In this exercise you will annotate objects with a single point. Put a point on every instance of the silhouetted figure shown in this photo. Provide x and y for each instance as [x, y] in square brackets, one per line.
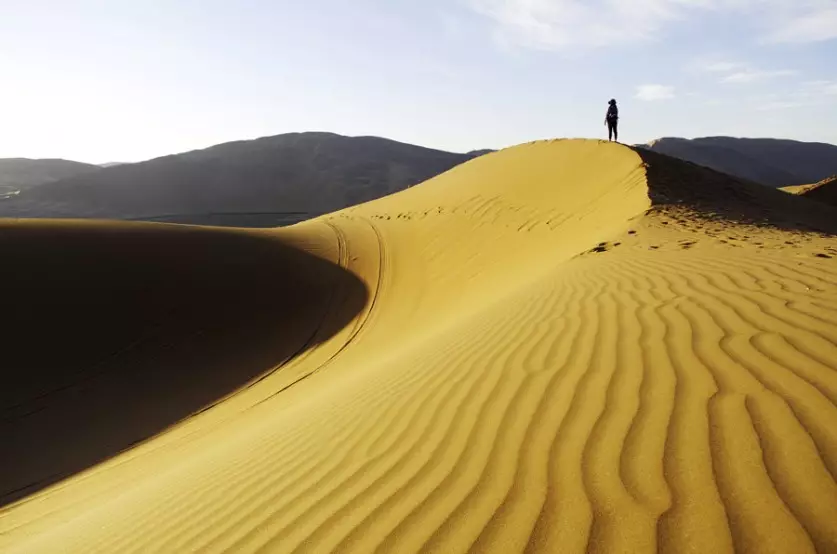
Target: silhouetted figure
[612, 121]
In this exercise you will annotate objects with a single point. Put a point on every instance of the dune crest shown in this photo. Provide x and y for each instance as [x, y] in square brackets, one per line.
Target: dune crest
[568, 346]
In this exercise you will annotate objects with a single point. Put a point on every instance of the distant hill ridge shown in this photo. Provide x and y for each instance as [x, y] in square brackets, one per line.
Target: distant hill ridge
[299, 174]
[771, 162]
[17, 174]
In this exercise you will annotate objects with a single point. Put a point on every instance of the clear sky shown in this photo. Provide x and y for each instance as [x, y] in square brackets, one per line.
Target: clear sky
[117, 80]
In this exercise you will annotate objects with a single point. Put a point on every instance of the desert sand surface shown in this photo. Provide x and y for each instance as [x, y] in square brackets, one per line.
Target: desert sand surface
[566, 346]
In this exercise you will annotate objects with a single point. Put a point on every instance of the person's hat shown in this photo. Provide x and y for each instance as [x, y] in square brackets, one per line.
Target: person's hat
[612, 101]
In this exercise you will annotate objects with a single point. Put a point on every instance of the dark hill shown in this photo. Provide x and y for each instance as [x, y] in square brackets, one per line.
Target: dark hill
[18, 174]
[267, 181]
[825, 191]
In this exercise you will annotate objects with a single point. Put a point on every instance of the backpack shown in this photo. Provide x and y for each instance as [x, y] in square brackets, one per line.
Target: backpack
[613, 112]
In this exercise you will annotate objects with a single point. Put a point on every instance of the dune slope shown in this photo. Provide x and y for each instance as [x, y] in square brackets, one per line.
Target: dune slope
[823, 191]
[567, 346]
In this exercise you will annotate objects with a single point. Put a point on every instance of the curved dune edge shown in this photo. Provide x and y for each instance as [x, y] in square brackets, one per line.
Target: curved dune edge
[546, 363]
[115, 331]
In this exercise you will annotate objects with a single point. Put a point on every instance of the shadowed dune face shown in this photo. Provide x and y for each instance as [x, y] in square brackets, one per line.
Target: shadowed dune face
[112, 333]
[824, 191]
[708, 194]
[770, 162]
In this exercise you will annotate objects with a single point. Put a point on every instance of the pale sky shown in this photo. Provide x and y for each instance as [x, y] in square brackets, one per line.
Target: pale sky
[112, 80]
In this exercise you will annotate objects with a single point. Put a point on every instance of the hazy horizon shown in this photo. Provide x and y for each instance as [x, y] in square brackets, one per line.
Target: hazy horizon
[116, 163]
[98, 83]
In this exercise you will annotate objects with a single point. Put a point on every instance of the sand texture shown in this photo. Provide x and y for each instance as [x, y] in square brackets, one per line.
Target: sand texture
[566, 346]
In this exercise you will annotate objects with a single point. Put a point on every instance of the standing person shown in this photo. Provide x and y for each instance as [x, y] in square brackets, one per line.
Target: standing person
[612, 121]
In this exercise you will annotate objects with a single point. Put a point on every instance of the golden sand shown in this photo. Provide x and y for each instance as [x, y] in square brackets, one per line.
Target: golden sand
[557, 350]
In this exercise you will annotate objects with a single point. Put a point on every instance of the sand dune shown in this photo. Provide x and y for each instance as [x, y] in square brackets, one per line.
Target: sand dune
[566, 346]
[823, 191]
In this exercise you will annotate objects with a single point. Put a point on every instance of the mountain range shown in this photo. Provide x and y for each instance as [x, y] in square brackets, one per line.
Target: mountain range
[18, 174]
[267, 181]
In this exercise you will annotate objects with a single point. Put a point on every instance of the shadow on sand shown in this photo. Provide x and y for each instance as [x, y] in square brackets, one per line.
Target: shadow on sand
[714, 195]
[113, 332]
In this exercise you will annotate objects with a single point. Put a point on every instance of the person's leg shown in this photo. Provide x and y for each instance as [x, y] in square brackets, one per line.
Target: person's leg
[616, 131]
[609, 130]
